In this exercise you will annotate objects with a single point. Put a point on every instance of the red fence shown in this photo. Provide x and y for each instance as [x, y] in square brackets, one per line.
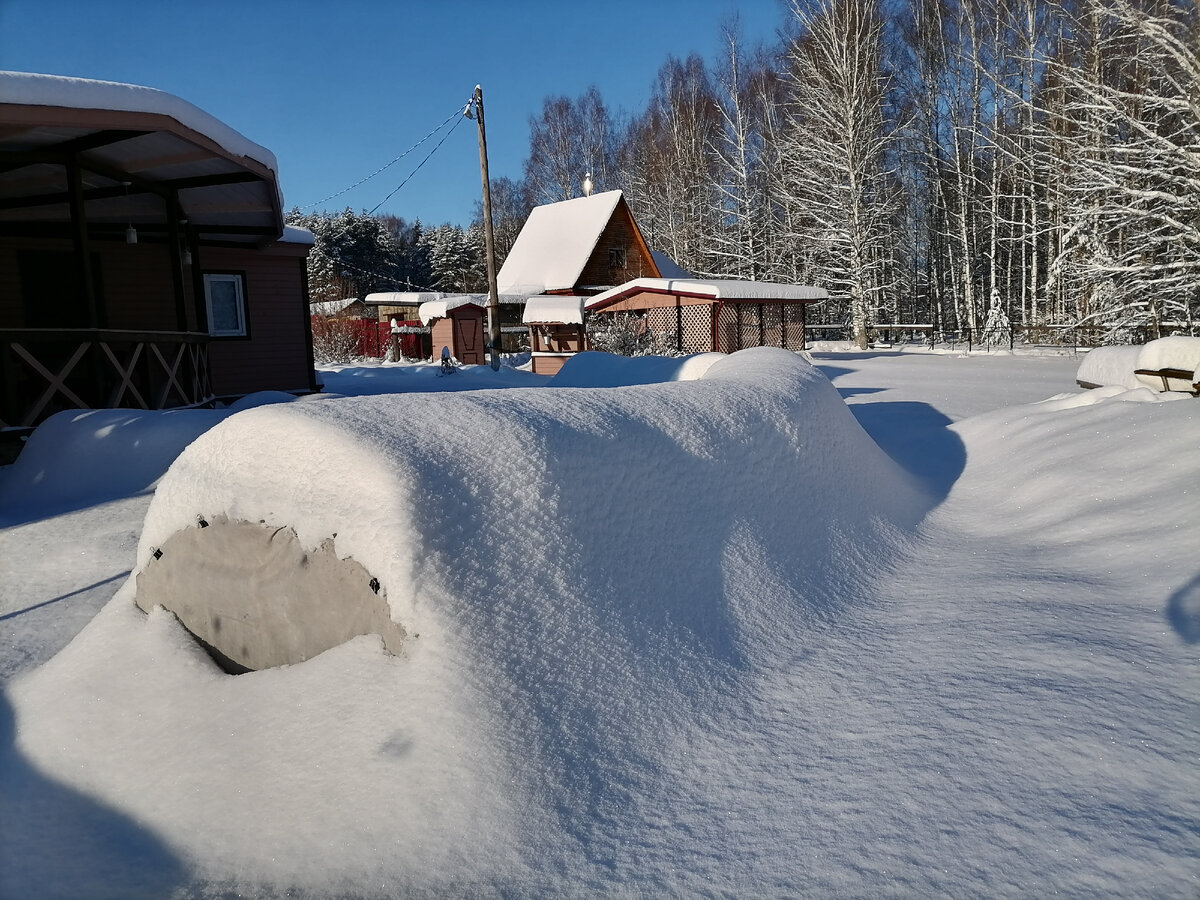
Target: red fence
[368, 338]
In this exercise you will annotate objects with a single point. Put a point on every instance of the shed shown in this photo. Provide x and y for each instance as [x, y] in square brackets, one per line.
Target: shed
[456, 322]
[556, 331]
[144, 261]
[697, 316]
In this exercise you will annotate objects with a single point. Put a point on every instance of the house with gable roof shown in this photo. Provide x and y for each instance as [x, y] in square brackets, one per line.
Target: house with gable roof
[144, 260]
[578, 247]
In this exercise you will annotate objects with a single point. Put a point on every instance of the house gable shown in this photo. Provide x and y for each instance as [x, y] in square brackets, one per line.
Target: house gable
[576, 246]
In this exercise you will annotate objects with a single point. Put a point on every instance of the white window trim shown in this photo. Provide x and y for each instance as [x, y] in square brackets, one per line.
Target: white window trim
[236, 280]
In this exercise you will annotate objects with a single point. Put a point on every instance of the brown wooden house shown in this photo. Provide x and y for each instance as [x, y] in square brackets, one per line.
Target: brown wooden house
[143, 257]
[577, 247]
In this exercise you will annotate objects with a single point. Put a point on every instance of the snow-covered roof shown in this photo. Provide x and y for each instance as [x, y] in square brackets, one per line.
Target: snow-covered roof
[439, 309]
[555, 244]
[33, 89]
[404, 298]
[667, 267]
[331, 307]
[227, 185]
[293, 234]
[717, 289]
[567, 310]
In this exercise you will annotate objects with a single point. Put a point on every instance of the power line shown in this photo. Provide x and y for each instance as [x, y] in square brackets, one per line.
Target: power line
[421, 163]
[457, 114]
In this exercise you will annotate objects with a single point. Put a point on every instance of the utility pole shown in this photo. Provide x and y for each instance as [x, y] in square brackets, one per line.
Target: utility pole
[493, 307]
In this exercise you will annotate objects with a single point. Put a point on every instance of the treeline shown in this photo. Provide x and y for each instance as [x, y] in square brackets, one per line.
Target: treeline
[945, 162]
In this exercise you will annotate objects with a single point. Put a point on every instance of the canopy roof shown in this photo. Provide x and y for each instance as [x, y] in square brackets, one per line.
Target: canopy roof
[440, 309]
[558, 310]
[716, 289]
[144, 156]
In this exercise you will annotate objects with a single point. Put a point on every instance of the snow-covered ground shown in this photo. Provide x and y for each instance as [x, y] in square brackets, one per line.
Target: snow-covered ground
[707, 639]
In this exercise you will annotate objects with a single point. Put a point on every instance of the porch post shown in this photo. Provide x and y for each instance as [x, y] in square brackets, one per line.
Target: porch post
[175, 254]
[83, 250]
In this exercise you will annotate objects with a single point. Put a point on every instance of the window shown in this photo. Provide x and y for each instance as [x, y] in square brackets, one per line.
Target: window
[226, 302]
[616, 258]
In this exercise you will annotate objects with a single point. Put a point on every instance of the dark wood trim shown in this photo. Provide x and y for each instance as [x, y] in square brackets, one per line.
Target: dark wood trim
[83, 254]
[201, 181]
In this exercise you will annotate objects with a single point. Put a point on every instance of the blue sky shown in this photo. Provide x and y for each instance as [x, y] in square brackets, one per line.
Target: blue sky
[337, 89]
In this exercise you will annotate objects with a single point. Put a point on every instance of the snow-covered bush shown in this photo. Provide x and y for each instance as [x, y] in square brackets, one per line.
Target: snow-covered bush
[334, 340]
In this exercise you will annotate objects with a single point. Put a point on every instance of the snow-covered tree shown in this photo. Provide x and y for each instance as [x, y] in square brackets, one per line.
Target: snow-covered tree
[836, 150]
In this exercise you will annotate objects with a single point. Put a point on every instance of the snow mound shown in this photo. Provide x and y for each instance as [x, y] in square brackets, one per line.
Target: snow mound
[1177, 352]
[1109, 366]
[132, 448]
[593, 369]
[594, 581]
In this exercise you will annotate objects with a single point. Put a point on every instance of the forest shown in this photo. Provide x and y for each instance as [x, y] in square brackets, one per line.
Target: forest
[963, 165]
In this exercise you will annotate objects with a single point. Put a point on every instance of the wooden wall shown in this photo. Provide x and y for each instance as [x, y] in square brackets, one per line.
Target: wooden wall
[277, 352]
[619, 234]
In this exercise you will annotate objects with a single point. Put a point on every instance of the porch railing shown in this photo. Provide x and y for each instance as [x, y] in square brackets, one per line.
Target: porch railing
[46, 370]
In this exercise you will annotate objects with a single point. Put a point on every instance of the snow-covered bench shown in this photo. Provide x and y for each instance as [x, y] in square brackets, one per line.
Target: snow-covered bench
[1167, 364]
[1170, 364]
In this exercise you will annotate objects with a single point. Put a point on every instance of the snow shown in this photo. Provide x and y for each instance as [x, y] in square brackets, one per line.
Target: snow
[717, 289]
[293, 234]
[440, 309]
[1175, 352]
[80, 93]
[554, 245]
[1106, 366]
[557, 309]
[893, 625]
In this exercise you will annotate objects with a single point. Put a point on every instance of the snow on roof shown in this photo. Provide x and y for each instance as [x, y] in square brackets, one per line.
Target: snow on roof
[405, 298]
[295, 235]
[32, 89]
[331, 307]
[718, 289]
[439, 309]
[567, 310]
[555, 243]
[667, 267]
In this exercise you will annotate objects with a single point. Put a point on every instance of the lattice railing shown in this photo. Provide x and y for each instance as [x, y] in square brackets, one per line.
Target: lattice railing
[46, 370]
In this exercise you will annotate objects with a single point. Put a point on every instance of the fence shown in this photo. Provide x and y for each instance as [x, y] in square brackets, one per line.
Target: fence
[45, 370]
[1064, 336]
[341, 340]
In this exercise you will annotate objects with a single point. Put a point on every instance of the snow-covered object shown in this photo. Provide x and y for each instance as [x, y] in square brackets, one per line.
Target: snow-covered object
[82, 93]
[717, 289]
[293, 234]
[1000, 701]
[397, 496]
[439, 309]
[554, 245]
[1176, 352]
[667, 267]
[593, 369]
[559, 310]
[1109, 366]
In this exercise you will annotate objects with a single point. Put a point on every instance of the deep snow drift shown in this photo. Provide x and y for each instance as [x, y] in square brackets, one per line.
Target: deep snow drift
[691, 637]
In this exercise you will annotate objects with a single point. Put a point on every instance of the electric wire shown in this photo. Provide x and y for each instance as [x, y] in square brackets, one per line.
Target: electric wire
[457, 114]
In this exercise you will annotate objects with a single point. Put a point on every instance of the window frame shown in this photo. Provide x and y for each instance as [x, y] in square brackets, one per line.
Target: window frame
[243, 311]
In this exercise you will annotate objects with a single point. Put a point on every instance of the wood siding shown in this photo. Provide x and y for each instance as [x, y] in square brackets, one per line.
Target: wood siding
[621, 235]
[276, 354]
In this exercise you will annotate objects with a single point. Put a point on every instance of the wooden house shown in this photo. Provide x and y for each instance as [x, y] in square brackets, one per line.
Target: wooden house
[576, 247]
[144, 260]
[697, 316]
[556, 331]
